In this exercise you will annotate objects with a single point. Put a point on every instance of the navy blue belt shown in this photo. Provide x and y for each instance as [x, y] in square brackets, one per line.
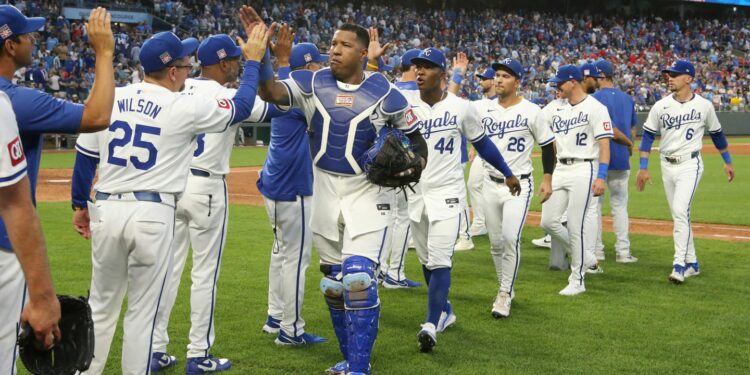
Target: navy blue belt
[146, 196]
[502, 180]
[569, 161]
[202, 173]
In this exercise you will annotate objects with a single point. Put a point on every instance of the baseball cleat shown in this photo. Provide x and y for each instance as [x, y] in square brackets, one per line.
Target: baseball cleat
[692, 269]
[390, 283]
[678, 274]
[338, 369]
[447, 318]
[206, 365]
[573, 289]
[161, 361]
[626, 259]
[303, 339]
[464, 244]
[545, 242]
[595, 269]
[427, 338]
[501, 307]
[477, 231]
[272, 325]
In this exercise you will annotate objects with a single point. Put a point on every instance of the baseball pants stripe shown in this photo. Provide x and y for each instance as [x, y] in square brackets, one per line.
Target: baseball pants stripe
[680, 183]
[404, 249]
[518, 236]
[583, 265]
[617, 182]
[393, 256]
[211, 333]
[12, 289]
[290, 257]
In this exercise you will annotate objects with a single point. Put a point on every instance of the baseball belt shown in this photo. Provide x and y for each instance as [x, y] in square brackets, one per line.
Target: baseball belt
[143, 196]
[679, 159]
[502, 180]
[569, 161]
[206, 174]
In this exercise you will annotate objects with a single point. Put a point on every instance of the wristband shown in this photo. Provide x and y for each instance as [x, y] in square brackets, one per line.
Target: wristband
[457, 77]
[644, 163]
[603, 169]
[727, 157]
[372, 66]
[266, 69]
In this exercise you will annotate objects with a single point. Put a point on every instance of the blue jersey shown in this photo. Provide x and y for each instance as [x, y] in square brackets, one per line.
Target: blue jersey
[37, 113]
[287, 171]
[622, 112]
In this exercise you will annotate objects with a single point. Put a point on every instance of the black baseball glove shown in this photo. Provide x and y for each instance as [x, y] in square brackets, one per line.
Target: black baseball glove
[391, 162]
[75, 350]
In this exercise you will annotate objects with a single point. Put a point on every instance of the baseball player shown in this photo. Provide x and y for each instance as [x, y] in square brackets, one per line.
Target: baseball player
[436, 207]
[144, 165]
[681, 119]
[37, 113]
[393, 259]
[345, 108]
[621, 110]
[582, 130]
[202, 210]
[286, 184]
[513, 124]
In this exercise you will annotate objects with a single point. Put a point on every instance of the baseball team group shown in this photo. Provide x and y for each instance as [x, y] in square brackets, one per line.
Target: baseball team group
[162, 148]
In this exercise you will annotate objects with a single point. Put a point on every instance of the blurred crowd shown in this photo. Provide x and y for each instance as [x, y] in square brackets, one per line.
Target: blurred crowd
[638, 47]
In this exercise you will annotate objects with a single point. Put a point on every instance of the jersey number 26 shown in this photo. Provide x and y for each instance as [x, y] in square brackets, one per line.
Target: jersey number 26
[138, 142]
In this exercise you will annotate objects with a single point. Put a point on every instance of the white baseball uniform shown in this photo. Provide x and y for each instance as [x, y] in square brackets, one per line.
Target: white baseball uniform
[12, 283]
[682, 126]
[144, 159]
[514, 130]
[201, 224]
[393, 259]
[436, 207]
[577, 129]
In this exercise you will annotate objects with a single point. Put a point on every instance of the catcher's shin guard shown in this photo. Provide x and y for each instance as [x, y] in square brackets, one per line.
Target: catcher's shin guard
[362, 311]
[333, 291]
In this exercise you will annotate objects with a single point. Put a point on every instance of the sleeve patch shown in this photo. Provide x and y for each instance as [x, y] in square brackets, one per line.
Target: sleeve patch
[15, 149]
[411, 117]
[607, 126]
[224, 104]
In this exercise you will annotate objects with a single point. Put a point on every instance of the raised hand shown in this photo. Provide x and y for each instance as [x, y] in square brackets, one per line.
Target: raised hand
[461, 62]
[282, 49]
[257, 40]
[375, 50]
[249, 18]
[99, 29]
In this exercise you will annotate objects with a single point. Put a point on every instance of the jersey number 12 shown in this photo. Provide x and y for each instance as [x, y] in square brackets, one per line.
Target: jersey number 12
[138, 142]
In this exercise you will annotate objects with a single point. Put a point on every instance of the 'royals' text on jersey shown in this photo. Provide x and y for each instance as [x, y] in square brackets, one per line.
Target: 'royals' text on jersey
[682, 125]
[345, 119]
[12, 158]
[442, 126]
[577, 128]
[514, 130]
[147, 145]
[212, 150]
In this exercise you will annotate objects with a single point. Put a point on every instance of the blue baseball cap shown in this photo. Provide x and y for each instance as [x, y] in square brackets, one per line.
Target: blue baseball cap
[163, 48]
[13, 22]
[510, 65]
[681, 67]
[431, 55]
[567, 73]
[305, 53]
[606, 68]
[589, 70]
[408, 56]
[216, 48]
[488, 73]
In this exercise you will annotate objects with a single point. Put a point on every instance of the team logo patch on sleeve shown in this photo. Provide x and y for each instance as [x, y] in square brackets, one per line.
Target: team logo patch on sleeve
[607, 126]
[15, 149]
[344, 100]
[224, 103]
[411, 118]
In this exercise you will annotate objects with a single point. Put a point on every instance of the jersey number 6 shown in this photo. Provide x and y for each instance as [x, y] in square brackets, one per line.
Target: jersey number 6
[138, 142]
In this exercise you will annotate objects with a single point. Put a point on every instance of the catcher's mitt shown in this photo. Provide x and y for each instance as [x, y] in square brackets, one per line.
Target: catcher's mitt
[390, 155]
[75, 350]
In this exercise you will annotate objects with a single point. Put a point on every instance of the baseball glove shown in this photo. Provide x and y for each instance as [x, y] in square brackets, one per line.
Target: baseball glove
[75, 350]
[390, 155]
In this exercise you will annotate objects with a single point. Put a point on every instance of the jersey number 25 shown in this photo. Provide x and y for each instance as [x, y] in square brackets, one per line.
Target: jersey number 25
[138, 142]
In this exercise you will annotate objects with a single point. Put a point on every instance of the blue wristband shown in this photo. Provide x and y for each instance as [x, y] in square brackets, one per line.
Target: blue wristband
[266, 69]
[644, 163]
[603, 169]
[457, 77]
[727, 157]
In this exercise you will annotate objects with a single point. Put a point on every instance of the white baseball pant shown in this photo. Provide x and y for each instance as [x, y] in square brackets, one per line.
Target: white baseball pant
[474, 186]
[571, 190]
[131, 252]
[505, 216]
[680, 183]
[290, 256]
[369, 245]
[617, 182]
[200, 224]
[435, 240]
[393, 260]
[13, 293]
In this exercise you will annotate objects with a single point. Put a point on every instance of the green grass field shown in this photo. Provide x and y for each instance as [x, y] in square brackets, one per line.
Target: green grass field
[630, 320]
